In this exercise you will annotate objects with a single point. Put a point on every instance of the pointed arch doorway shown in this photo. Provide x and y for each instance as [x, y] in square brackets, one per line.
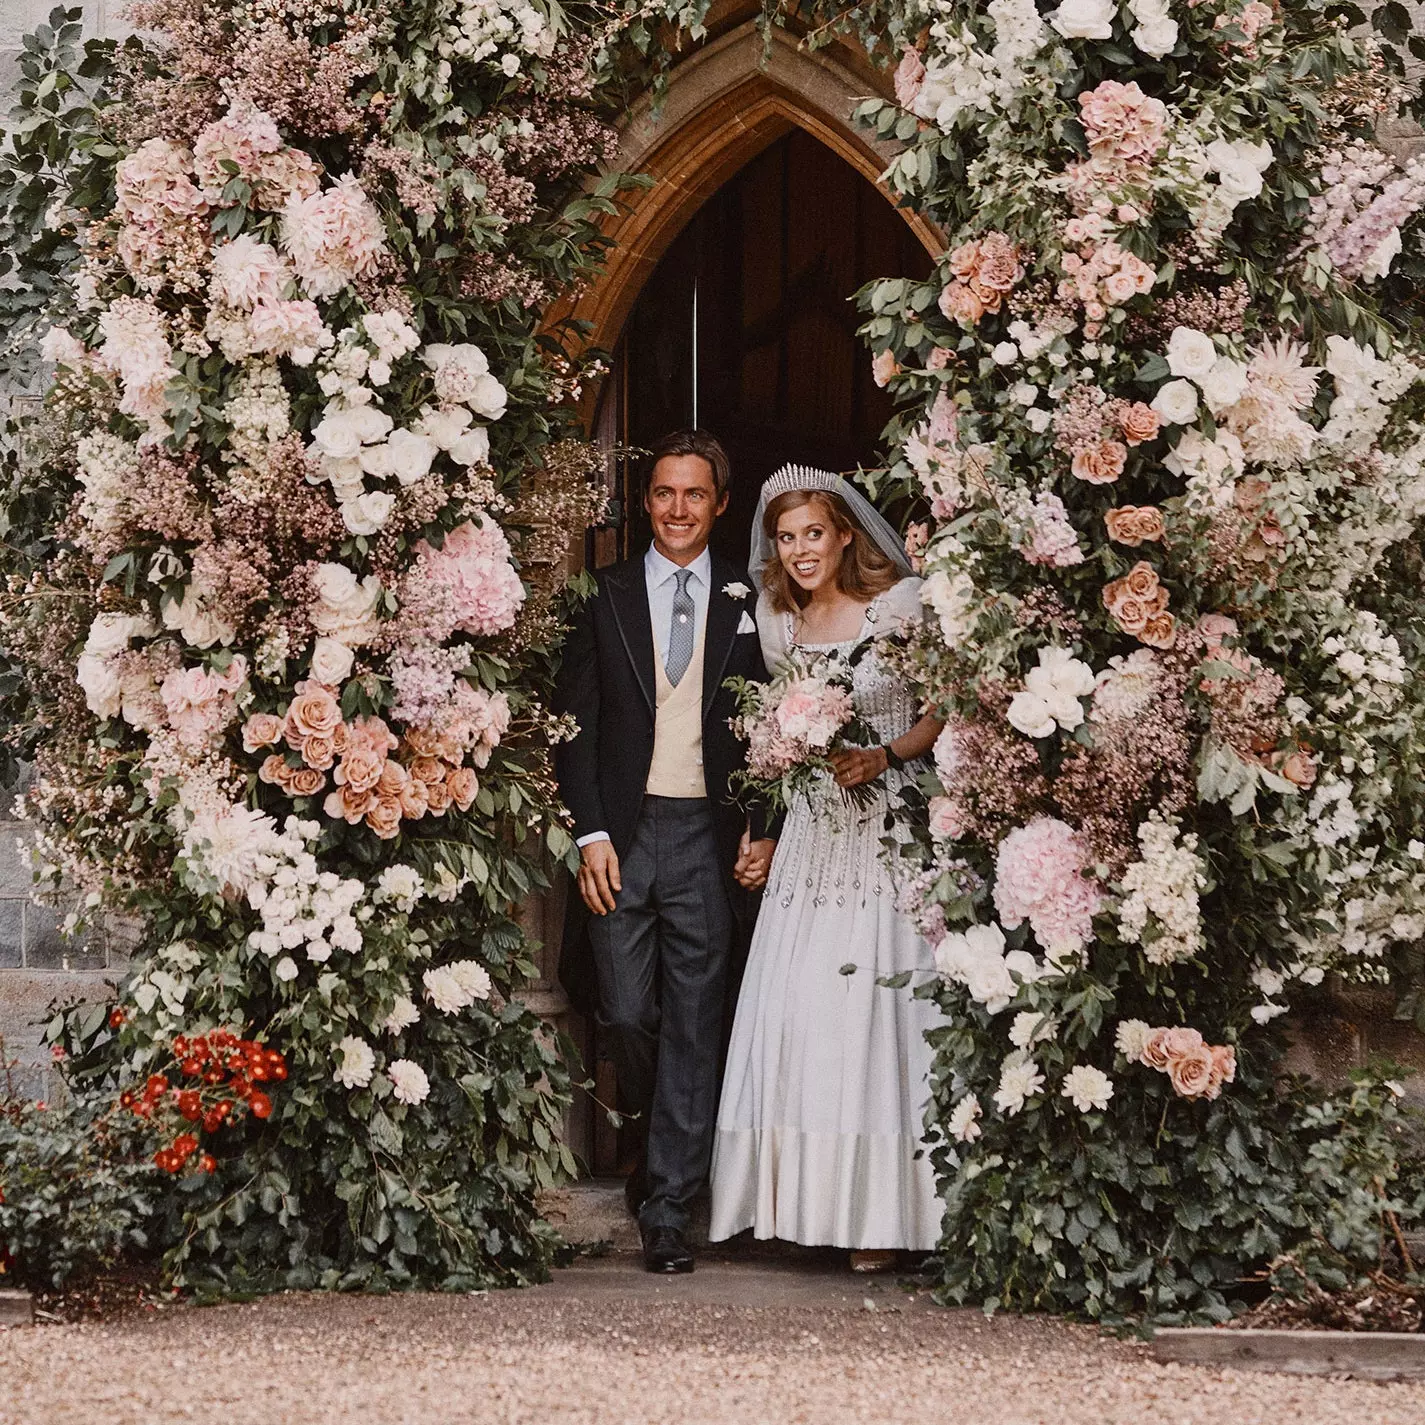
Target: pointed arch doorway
[747, 327]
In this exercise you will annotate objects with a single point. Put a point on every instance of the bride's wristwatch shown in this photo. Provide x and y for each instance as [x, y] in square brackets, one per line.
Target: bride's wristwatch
[892, 758]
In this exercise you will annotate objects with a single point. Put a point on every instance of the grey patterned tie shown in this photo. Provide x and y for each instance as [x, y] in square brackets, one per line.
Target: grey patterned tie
[680, 634]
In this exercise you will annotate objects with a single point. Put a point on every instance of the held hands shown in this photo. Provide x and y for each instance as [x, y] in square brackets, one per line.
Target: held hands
[855, 765]
[754, 862]
[599, 880]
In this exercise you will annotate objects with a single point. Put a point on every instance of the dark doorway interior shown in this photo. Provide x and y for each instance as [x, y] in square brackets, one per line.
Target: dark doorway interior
[747, 326]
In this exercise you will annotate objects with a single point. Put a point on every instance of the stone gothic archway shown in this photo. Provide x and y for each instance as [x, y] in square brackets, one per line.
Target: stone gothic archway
[725, 103]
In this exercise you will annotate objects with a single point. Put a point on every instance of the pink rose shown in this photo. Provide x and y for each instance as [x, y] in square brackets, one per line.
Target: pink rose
[1191, 1071]
[946, 822]
[960, 304]
[464, 787]
[910, 75]
[261, 730]
[1214, 628]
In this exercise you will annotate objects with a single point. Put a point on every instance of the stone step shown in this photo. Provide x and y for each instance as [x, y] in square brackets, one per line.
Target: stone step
[17, 1308]
[1367, 1355]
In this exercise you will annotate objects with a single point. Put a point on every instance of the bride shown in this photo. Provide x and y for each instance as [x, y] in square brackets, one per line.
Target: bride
[828, 1073]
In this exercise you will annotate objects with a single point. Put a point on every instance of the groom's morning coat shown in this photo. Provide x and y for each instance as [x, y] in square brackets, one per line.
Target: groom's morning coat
[608, 683]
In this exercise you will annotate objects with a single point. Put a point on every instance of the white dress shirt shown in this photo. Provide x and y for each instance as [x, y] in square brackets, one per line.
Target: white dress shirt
[661, 575]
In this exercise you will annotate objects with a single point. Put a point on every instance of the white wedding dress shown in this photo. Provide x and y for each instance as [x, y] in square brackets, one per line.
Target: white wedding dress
[827, 1075]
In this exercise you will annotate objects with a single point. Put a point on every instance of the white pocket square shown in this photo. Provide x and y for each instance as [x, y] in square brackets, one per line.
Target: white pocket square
[746, 625]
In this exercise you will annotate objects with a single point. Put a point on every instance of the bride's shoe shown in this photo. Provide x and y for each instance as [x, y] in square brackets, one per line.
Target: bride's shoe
[873, 1261]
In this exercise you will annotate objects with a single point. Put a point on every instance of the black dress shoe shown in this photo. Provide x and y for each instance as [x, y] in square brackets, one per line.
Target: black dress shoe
[666, 1251]
[635, 1190]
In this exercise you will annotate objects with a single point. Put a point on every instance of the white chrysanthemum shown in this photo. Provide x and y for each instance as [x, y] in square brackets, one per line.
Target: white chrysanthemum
[1088, 1088]
[409, 1082]
[229, 846]
[1131, 1037]
[404, 1013]
[1019, 1081]
[358, 1063]
[1032, 1026]
[963, 1126]
[473, 979]
[445, 990]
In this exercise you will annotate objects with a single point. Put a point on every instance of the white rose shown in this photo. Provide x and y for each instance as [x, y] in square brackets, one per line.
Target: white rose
[1176, 402]
[343, 433]
[443, 427]
[1085, 19]
[331, 661]
[1030, 714]
[473, 448]
[198, 625]
[465, 354]
[367, 513]
[1224, 385]
[345, 607]
[110, 633]
[285, 969]
[379, 372]
[489, 398]
[1038, 419]
[1156, 38]
[375, 460]
[102, 690]
[1190, 353]
[1006, 353]
[411, 455]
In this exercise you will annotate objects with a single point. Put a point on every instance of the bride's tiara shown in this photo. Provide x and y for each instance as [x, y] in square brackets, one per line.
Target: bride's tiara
[799, 477]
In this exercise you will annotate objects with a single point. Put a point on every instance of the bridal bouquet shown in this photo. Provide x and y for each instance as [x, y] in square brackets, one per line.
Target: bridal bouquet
[793, 723]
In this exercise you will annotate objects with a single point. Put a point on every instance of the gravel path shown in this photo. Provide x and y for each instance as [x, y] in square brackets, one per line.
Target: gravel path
[605, 1343]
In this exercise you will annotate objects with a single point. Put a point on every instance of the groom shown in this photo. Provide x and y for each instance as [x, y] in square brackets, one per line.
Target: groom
[664, 850]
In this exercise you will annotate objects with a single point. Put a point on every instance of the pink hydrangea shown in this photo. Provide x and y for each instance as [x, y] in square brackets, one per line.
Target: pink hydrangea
[468, 585]
[1123, 123]
[1039, 878]
[1051, 538]
[157, 205]
[248, 137]
[199, 703]
[136, 349]
[333, 237]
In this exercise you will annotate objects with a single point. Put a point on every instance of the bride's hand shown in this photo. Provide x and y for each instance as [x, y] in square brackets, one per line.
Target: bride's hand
[856, 765]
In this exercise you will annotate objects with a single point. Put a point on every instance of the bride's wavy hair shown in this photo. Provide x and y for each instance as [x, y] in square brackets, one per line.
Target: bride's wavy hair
[863, 572]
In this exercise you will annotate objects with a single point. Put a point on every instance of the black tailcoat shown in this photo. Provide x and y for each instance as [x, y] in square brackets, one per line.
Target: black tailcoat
[607, 682]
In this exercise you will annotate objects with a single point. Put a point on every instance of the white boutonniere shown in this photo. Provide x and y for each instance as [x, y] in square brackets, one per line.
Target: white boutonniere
[736, 590]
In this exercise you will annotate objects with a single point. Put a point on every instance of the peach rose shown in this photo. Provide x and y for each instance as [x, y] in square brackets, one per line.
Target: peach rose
[306, 782]
[1100, 464]
[463, 785]
[883, 366]
[414, 798]
[1139, 422]
[427, 769]
[314, 713]
[999, 267]
[1299, 768]
[989, 298]
[341, 739]
[319, 752]
[393, 778]
[360, 769]
[1216, 627]
[1181, 1038]
[1141, 581]
[939, 358]
[1132, 524]
[1224, 1068]
[438, 798]
[965, 259]
[261, 730]
[1128, 613]
[1159, 630]
[423, 742]
[274, 771]
[372, 732]
[1155, 1048]
[345, 805]
[1191, 1071]
[383, 816]
[960, 304]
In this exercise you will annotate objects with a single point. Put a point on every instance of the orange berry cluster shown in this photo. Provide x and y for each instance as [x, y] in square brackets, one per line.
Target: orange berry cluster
[222, 1073]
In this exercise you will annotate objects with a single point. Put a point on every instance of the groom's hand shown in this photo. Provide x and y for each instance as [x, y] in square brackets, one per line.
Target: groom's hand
[754, 862]
[599, 881]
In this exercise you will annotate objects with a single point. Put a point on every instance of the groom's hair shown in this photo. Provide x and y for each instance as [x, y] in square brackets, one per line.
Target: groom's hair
[692, 442]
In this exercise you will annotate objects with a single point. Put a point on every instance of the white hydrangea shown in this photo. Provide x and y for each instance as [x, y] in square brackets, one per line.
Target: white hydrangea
[358, 1063]
[1160, 909]
[409, 1082]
